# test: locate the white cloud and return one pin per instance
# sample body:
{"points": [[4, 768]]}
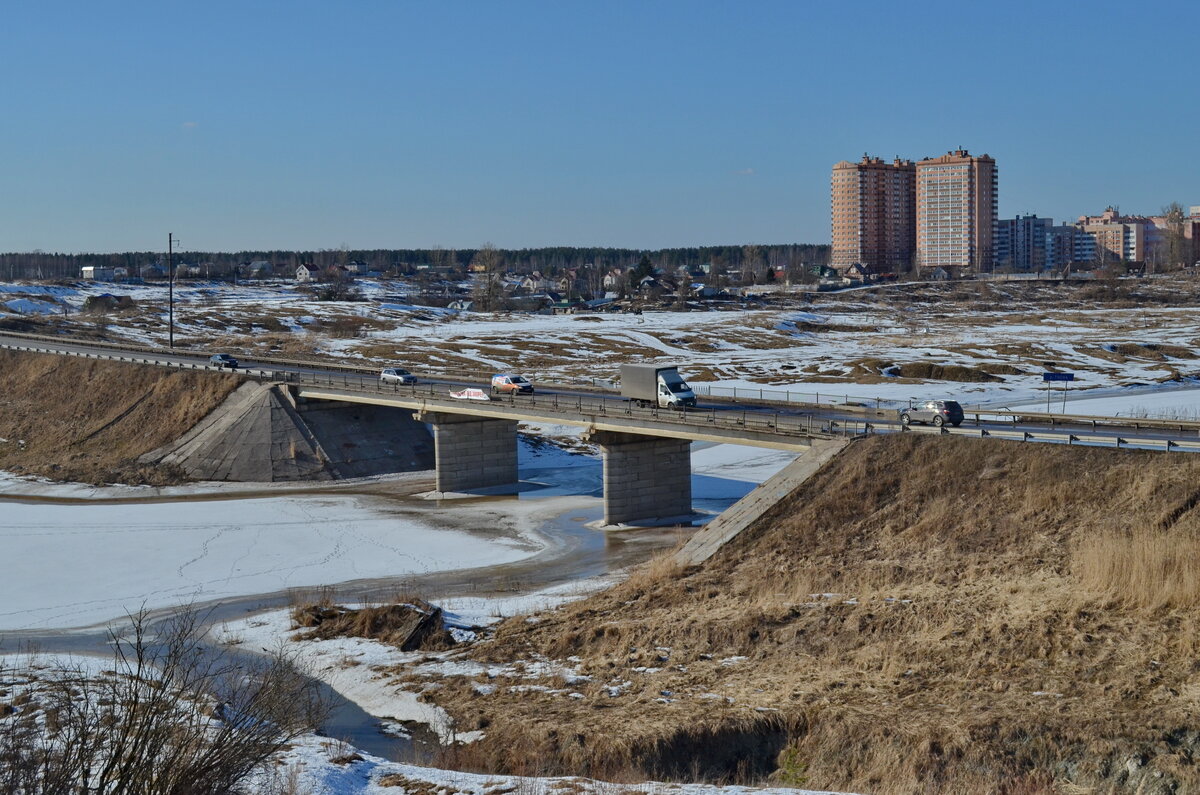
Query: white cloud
{"points": [[744, 172], [190, 125]]}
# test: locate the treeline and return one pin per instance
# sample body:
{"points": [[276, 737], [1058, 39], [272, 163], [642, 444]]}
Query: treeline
{"points": [[549, 261]]}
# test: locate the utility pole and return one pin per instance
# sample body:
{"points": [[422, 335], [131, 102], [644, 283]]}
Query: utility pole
{"points": [[170, 293]]}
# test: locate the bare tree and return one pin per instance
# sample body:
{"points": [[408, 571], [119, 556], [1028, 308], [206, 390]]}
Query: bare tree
{"points": [[488, 292], [1177, 246], [171, 717]]}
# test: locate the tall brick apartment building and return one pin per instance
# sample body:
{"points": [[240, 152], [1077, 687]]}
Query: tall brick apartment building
{"points": [[874, 224], [957, 203]]}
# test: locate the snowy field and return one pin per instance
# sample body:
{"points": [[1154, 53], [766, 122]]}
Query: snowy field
{"points": [[853, 344]]}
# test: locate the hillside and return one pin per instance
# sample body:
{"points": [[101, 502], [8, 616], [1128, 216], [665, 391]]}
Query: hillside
{"points": [[924, 615], [69, 418]]}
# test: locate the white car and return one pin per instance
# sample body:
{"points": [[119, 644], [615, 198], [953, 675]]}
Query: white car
{"points": [[397, 375]]}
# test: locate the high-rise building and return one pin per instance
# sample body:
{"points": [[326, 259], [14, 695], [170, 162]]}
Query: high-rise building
{"points": [[873, 214], [1065, 244], [1021, 243], [957, 198]]}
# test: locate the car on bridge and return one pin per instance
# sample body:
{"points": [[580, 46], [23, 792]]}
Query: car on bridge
{"points": [[397, 375], [223, 360], [933, 412], [511, 384]]}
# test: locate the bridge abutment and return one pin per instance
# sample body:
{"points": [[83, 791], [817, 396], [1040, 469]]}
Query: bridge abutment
{"points": [[472, 452], [645, 477]]}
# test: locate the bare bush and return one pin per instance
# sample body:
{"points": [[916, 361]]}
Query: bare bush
{"points": [[170, 717]]}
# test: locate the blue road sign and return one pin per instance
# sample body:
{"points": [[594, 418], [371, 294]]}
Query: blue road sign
{"points": [[1058, 376]]}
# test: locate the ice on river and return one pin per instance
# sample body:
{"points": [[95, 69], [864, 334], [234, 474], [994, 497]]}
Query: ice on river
{"points": [[76, 564]]}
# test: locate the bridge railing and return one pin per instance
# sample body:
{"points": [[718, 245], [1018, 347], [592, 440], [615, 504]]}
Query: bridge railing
{"points": [[596, 406]]}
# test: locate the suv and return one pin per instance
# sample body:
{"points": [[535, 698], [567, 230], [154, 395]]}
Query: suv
{"points": [[223, 360], [934, 412], [397, 375], [512, 384]]}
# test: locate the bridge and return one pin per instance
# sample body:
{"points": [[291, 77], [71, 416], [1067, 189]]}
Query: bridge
{"points": [[645, 451]]}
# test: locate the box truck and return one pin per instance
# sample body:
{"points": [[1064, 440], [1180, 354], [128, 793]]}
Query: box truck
{"points": [[656, 385]]}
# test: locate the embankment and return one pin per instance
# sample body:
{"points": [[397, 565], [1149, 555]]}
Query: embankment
{"points": [[68, 418], [923, 615]]}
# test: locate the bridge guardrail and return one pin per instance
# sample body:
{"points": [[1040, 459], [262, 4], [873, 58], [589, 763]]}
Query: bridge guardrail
{"points": [[784, 425], [767, 396]]}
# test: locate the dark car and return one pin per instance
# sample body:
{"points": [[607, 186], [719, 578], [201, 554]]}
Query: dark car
{"points": [[933, 412], [223, 360]]}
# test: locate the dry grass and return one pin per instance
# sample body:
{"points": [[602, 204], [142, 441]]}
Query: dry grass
{"points": [[923, 615], [1152, 569]]}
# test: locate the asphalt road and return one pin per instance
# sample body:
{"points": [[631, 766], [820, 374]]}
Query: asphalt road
{"points": [[886, 422]]}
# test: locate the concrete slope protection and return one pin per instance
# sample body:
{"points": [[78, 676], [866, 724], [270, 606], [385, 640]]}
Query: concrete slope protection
{"points": [[261, 434], [748, 510]]}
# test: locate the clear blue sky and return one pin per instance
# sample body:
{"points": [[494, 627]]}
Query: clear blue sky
{"points": [[300, 125]]}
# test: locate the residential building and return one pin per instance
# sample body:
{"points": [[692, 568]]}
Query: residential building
{"points": [[873, 214], [956, 202], [1116, 237], [1062, 246], [306, 273], [1021, 243], [97, 273]]}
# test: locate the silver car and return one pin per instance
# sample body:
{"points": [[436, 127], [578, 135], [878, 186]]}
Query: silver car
{"points": [[933, 412], [397, 375]]}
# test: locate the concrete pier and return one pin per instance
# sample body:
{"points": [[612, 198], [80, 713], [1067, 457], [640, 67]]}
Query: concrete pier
{"points": [[472, 452], [646, 478]]}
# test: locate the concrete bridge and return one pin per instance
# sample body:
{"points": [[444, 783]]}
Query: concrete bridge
{"points": [[646, 452]]}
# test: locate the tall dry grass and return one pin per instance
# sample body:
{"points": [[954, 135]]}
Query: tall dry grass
{"points": [[1145, 568]]}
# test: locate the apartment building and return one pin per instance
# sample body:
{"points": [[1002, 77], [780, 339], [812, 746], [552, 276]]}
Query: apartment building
{"points": [[1020, 243], [1116, 237], [957, 197], [873, 214]]}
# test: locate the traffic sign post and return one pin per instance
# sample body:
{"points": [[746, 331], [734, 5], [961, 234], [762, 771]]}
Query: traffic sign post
{"points": [[1066, 378]]}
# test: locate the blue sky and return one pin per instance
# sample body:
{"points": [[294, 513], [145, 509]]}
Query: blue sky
{"points": [[302, 125]]}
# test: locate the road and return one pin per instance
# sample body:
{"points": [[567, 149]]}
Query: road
{"points": [[1112, 431]]}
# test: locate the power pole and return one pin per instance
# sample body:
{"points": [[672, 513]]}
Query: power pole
{"points": [[170, 293]]}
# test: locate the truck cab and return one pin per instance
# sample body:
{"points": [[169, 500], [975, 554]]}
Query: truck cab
{"points": [[673, 391]]}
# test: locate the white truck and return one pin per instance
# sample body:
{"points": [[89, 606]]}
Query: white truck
{"points": [[656, 385]]}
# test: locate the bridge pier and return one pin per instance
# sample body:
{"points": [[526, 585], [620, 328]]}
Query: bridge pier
{"points": [[472, 452], [645, 477]]}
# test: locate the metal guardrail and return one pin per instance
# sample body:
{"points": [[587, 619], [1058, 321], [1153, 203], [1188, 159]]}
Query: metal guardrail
{"points": [[788, 396], [309, 362], [1063, 437], [1095, 421]]}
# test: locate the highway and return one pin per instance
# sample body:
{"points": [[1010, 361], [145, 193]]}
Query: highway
{"points": [[822, 420]]}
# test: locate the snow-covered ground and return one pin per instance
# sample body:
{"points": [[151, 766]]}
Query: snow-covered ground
{"points": [[81, 563], [352, 666]]}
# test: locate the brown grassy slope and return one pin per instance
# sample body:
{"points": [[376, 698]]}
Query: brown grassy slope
{"points": [[89, 420], [1004, 617]]}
